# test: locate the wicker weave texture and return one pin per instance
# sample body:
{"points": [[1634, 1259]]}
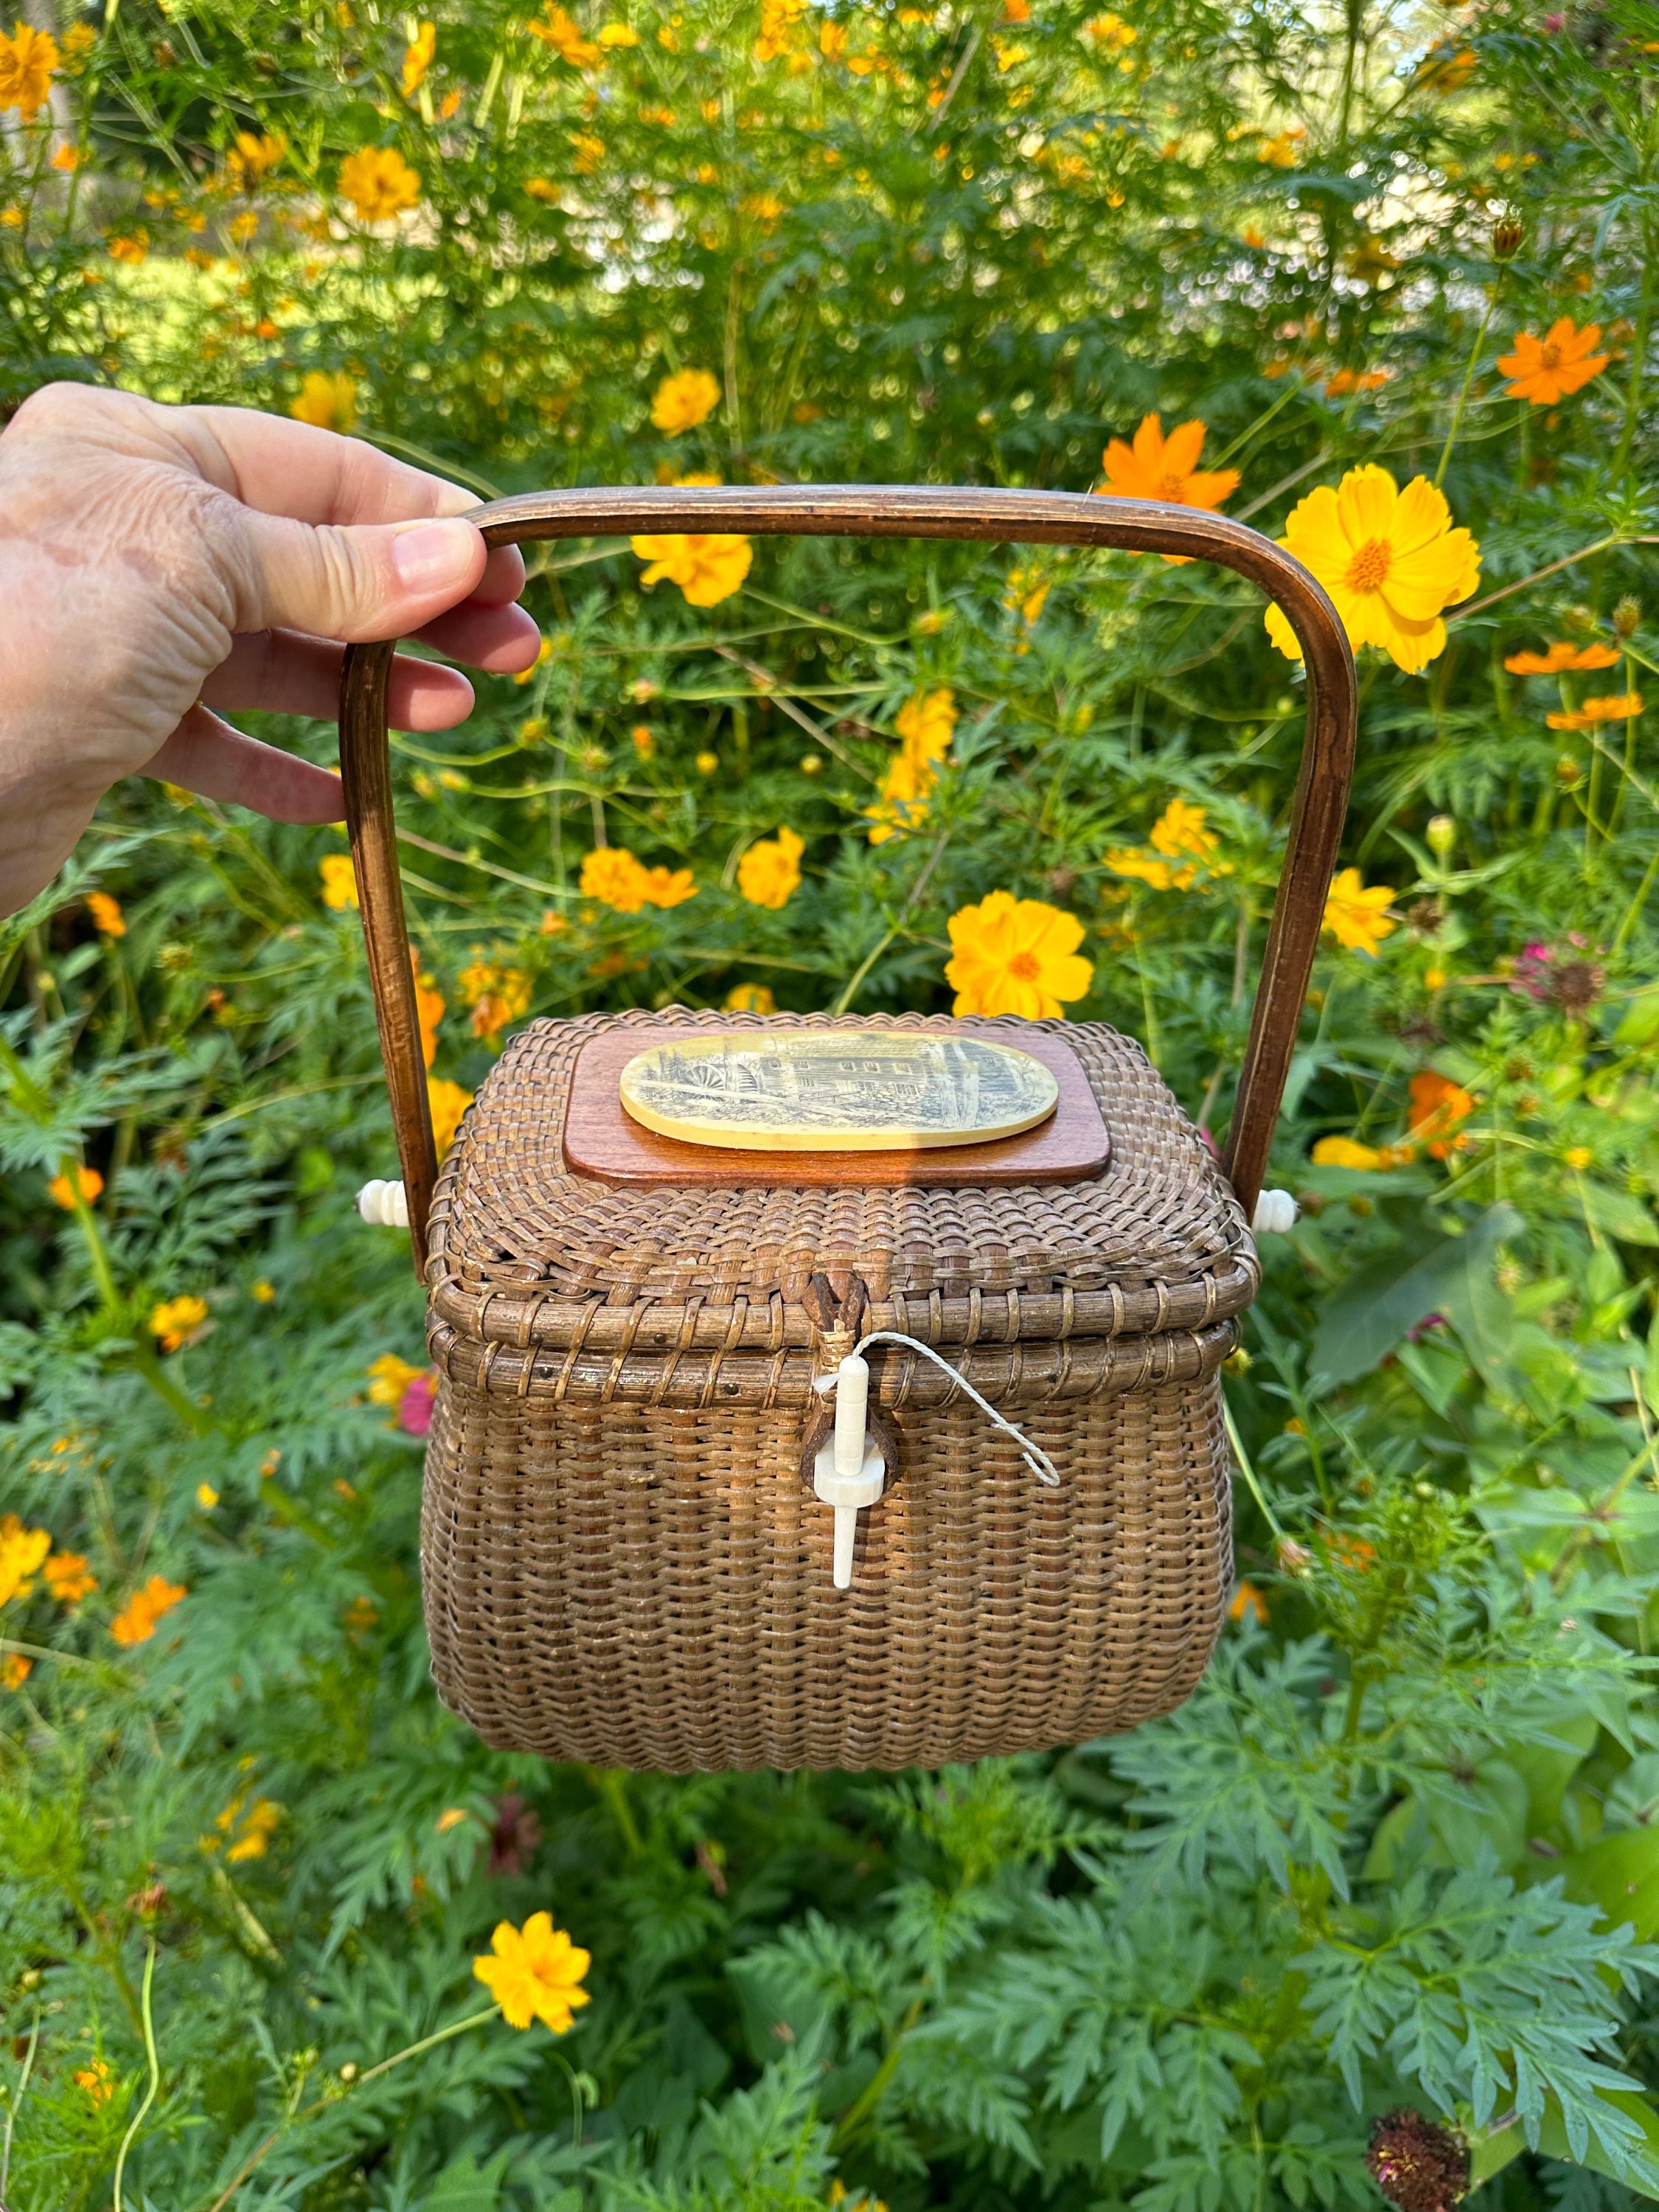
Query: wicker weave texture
{"points": [[623, 1560], [519, 1245], [650, 1587]]}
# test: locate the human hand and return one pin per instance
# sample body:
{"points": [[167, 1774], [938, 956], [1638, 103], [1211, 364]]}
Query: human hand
{"points": [[159, 562]]}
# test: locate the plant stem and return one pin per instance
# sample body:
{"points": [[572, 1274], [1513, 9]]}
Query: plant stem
{"points": [[1468, 378], [137, 2119], [333, 2096]]}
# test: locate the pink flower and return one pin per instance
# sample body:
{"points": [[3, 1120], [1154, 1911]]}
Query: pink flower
{"points": [[415, 1406], [1555, 22], [1529, 970]]}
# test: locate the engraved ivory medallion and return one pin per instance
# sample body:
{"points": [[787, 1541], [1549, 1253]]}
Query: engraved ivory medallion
{"points": [[828, 1091]]}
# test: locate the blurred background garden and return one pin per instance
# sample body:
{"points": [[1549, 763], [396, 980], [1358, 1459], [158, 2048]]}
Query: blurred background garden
{"points": [[1375, 1910]]}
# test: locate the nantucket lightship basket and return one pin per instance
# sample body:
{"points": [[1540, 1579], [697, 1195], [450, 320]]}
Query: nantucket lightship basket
{"points": [[644, 1541]]}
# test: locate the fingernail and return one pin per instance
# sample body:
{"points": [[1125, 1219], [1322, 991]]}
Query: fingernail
{"points": [[433, 554]]}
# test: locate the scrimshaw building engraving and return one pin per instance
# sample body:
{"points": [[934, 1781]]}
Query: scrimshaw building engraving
{"points": [[829, 1091]]}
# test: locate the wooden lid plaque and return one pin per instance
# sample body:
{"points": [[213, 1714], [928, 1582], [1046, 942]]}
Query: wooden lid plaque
{"points": [[805, 1106]]}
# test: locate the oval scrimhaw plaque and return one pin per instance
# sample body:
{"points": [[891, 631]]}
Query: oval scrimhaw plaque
{"points": [[847, 1090]]}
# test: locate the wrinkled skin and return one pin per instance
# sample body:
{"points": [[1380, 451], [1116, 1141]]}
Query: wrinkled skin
{"points": [[158, 564]]}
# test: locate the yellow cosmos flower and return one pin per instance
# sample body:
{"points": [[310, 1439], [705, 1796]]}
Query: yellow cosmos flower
{"points": [[1016, 956], [22, 1553], [327, 400], [389, 1377], [618, 34], [252, 156], [379, 182], [564, 36], [258, 1829], [15, 1671], [175, 1321], [339, 880], [1344, 1152], [1390, 560], [447, 1102], [206, 1497], [417, 59], [133, 249], [768, 873], [750, 999], [535, 1973], [707, 567], [1178, 832], [684, 399], [613, 876], [1355, 916], [925, 725], [138, 1620], [27, 59]]}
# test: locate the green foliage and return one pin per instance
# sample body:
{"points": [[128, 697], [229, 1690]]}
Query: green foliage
{"points": [[1400, 1848]]}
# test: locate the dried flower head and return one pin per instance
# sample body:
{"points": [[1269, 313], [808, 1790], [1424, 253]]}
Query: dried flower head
{"points": [[1416, 2163]]}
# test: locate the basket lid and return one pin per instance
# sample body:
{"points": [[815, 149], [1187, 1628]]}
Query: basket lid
{"points": [[523, 1248]]}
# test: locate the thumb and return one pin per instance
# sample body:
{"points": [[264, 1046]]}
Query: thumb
{"points": [[358, 581]]}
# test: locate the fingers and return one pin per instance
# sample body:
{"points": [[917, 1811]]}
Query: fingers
{"points": [[206, 756], [375, 581], [283, 467], [503, 640], [280, 673]]}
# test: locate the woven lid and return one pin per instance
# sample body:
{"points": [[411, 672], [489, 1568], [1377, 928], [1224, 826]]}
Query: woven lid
{"points": [[523, 1251]]}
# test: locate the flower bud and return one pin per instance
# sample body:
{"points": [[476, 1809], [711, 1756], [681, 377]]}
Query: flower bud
{"points": [[1507, 233], [1293, 1557], [1443, 836], [1567, 771], [1627, 617], [349, 2073]]}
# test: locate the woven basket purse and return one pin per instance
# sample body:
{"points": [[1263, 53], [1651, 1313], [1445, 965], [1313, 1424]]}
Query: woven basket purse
{"points": [[835, 1459]]}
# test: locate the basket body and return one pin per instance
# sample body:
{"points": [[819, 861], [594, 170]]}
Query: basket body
{"points": [[623, 1560]]}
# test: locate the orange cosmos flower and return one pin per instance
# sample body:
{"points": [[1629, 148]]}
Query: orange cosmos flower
{"points": [[138, 1620], [1157, 467], [108, 917], [87, 1180], [1620, 707], [1544, 370], [1437, 1106], [1560, 658], [67, 1577]]}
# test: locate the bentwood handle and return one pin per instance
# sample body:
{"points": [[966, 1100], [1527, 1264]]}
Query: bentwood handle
{"points": [[1053, 518]]}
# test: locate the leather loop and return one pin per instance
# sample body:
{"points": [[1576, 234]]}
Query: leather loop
{"points": [[1053, 518]]}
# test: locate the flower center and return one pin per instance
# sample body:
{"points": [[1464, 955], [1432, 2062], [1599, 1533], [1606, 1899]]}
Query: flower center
{"points": [[1370, 565], [1550, 356], [1024, 968], [1172, 487]]}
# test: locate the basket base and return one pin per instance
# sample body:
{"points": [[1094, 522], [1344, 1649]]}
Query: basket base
{"points": [[651, 1586]]}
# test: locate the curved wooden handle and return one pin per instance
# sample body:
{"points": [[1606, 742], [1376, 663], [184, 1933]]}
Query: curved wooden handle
{"points": [[1055, 518]]}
